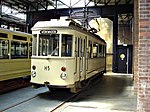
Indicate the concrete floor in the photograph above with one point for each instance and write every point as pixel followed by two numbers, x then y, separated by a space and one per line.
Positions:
pixel 112 93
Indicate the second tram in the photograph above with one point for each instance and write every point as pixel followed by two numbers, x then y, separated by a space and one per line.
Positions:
pixel 15 52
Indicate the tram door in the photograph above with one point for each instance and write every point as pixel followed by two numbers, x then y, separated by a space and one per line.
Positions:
pixel 81 58
pixel 124 59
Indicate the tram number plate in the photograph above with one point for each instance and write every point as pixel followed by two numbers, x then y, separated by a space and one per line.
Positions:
pixel 47 68
pixel 48 31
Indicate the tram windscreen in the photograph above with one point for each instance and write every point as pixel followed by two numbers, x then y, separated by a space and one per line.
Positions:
pixel 48 45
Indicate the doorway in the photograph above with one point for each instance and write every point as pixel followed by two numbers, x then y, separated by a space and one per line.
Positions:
pixel 124 59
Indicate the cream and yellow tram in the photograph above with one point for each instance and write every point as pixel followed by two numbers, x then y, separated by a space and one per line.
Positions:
pixel 64 54
pixel 15 53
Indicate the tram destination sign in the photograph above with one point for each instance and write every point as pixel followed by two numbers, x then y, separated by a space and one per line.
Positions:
pixel 48 31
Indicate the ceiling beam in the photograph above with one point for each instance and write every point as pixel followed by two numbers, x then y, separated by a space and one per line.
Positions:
pixel 107 2
pixel 28 4
pixel 128 1
pixel 103 11
pixel 117 2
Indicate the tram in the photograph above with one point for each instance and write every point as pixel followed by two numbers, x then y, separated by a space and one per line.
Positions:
pixel 65 54
pixel 15 53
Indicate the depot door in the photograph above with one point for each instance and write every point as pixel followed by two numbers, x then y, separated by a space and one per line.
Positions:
pixel 124 59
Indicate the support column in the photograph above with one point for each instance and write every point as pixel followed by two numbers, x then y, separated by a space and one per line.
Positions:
pixel 28 21
pixel 135 44
pixel 143 98
pixel 115 40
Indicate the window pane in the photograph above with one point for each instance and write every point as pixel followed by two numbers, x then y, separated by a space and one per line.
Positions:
pixel 4 49
pixel 66 45
pixel 100 51
pixel 19 49
pixel 49 45
pixel 30 50
pixel 95 50
pixel 90 49
pixel 34 45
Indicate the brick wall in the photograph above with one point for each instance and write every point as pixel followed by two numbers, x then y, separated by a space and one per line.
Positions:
pixel 143 98
pixel 135 44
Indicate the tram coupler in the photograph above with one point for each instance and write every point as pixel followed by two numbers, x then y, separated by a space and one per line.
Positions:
pixel 47 85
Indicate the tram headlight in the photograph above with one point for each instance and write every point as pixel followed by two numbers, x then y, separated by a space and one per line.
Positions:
pixel 33 74
pixel 63 76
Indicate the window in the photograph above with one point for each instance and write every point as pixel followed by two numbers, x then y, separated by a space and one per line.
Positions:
pixel 3 35
pixel 66 45
pixel 90 49
pixel 79 47
pixel 48 45
pixel 4 49
pixel 30 50
pixel 19 49
pixel 95 50
pixel 19 37
pixel 100 51
pixel 104 52
pixel 34 45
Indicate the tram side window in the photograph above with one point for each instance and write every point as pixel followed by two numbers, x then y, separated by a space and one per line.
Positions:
pixel 79 46
pixel 19 49
pixel 100 51
pixel 66 45
pixel 34 45
pixel 104 51
pixel 4 49
pixel 30 50
pixel 95 50
pixel 90 49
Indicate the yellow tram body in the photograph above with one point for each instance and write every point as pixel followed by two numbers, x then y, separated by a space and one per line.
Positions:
pixel 15 52
pixel 65 54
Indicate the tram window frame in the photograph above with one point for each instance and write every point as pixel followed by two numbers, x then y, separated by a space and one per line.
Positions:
pixel 104 51
pixel 95 50
pixel 17 37
pixel 79 45
pixel 50 43
pixel 34 45
pixel 90 49
pixel 101 50
pixel 4 50
pixel 66 45
pixel 3 35
pixel 30 50
pixel 19 49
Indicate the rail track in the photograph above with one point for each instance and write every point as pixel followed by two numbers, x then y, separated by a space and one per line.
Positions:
pixel 85 86
pixel 43 99
pixel 18 104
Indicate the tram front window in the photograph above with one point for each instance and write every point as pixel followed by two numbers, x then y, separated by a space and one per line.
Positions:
pixel 48 45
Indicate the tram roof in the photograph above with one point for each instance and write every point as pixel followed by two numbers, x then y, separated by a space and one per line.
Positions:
pixel 12 31
pixel 63 23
